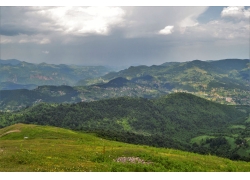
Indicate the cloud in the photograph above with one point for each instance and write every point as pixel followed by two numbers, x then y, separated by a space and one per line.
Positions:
pixel 219 30
pixel 23 38
pixel 45 52
pixel 44 41
pixel 20 20
pixel 145 21
pixel 120 35
pixel 235 28
pixel 187 22
pixel 79 21
pixel 87 21
pixel 238 12
pixel 167 30
pixel 83 20
pixel 32 39
pixel 190 20
pixel 5 40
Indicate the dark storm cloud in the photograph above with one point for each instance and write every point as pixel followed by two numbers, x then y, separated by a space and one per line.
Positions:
pixel 121 35
pixel 12 30
pixel 22 20
pixel 103 50
pixel 126 51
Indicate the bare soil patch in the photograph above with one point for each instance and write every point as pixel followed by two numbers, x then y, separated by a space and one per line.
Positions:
pixel 131 160
pixel 12 131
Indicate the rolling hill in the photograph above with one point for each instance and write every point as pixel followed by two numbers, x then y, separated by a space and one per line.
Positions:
pixel 172 121
pixel 34 148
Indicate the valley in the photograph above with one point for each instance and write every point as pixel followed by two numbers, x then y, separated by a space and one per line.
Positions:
pixel 145 88
pixel 194 106
pixel 223 81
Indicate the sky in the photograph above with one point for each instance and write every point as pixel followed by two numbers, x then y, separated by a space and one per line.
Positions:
pixel 123 35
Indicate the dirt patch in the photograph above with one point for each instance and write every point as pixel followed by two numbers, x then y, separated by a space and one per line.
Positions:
pixel 13 131
pixel 131 160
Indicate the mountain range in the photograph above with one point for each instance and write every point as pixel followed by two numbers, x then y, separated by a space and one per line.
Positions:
pixel 196 106
pixel 15 74
pixel 223 81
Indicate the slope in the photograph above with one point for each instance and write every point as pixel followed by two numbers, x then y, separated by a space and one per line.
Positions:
pixel 169 121
pixel 51 149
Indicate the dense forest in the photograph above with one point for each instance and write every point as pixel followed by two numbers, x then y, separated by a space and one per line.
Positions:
pixel 170 121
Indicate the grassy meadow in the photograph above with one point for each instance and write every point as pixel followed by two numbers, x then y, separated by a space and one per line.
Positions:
pixel 33 148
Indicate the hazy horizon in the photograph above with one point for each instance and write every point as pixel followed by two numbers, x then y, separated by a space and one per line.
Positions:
pixel 120 66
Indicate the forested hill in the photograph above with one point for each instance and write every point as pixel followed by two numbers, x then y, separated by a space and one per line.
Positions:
pixel 231 64
pixel 223 81
pixel 169 121
pixel 174 71
pixel 10 62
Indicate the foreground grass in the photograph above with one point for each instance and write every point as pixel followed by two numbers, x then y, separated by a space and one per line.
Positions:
pixel 49 149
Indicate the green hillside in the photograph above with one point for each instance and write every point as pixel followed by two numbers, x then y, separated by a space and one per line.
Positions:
pixel 170 121
pixel 26 148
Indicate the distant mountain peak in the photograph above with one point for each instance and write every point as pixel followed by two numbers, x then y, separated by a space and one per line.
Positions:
pixel 10 61
pixel 116 82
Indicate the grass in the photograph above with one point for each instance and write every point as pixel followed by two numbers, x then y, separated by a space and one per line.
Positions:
pixel 51 149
